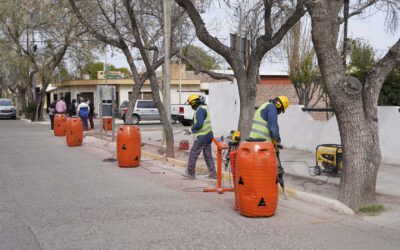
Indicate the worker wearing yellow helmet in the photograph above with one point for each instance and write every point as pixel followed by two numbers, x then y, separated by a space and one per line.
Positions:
pixel 203 137
pixel 265 121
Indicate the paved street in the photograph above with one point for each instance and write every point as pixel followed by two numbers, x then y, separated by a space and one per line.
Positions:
pixel 56 197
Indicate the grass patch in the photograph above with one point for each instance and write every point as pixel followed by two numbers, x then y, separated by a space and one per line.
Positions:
pixel 372 209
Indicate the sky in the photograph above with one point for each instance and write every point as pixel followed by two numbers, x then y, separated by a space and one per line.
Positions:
pixel 370 27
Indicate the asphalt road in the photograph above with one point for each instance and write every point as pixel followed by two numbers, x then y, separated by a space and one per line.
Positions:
pixel 55 197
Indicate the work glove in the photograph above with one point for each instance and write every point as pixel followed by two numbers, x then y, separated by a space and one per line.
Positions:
pixel 188 132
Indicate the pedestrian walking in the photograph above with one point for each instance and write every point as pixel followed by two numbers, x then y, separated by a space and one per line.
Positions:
pixel 52 113
pixel 203 137
pixel 72 108
pixel 83 112
pixel 91 114
pixel 61 107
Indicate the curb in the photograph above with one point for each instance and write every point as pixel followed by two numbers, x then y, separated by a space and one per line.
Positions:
pixel 318 200
pixel 41 122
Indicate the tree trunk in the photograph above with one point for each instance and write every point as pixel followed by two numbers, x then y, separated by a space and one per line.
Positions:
pixel 163 116
pixel 362 157
pixel 247 104
pixel 132 101
pixel 21 100
pixel 359 133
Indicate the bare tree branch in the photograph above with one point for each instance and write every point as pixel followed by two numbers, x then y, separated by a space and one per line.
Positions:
pixel 360 9
pixel 212 74
pixel 203 34
pixel 383 68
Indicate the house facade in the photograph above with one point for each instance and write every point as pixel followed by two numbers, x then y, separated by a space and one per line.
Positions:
pixel 181 87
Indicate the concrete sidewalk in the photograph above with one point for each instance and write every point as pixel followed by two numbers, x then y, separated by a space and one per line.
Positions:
pixel 295 162
pixel 301 163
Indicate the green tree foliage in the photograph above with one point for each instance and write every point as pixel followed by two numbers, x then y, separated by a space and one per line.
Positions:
pixel 304 76
pixel 362 60
pixel 92 67
pixel 200 58
pixel 390 92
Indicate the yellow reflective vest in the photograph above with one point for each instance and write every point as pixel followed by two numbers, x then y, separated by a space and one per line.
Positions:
pixel 206 128
pixel 259 129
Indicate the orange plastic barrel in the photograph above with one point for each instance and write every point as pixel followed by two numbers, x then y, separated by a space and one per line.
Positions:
pixel 59 124
pixel 107 124
pixel 128 146
pixel 256 169
pixel 74 132
pixel 232 156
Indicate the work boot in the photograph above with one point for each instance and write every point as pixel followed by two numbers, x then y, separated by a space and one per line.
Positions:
pixel 212 175
pixel 188 175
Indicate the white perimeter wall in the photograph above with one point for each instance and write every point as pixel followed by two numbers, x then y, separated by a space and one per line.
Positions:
pixel 299 131
pixel 224 106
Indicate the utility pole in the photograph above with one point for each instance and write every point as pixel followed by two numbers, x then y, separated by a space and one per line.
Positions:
pixel 167 68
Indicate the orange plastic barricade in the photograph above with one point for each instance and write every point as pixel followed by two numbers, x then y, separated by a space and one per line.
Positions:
pixel 219 188
pixel 107 124
pixel 59 124
pixel 232 156
pixel 128 146
pixel 256 169
pixel 74 132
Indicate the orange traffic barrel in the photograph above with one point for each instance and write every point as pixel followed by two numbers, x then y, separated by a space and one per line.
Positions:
pixel 59 124
pixel 128 146
pixel 256 169
pixel 74 131
pixel 107 124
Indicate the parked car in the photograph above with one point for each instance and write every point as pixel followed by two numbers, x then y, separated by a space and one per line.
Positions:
pixel 7 109
pixel 182 113
pixel 145 110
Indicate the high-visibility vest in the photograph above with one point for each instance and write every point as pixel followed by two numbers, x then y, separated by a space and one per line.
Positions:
pixel 206 128
pixel 259 129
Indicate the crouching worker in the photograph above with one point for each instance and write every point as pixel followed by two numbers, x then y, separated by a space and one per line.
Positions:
pixel 203 137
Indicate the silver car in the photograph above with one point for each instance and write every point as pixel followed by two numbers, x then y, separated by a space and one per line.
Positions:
pixel 145 110
pixel 7 109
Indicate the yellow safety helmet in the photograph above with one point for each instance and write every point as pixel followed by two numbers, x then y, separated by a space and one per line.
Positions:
pixel 192 98
pixel 283 103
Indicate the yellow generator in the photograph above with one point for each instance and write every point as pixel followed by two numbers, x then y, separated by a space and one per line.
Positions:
pixel 328 159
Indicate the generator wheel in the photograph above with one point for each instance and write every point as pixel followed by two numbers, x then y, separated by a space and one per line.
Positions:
pixel 317 170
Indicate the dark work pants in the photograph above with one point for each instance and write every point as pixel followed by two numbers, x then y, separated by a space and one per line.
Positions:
pixel 52 121
pixel 195 151
pixel 91 121
pixel 84 122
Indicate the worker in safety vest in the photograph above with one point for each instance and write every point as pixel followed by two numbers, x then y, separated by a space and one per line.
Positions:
pixel 203 137
pixel 265 121
pixel 265 126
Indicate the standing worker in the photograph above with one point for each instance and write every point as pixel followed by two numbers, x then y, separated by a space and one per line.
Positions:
pixel 83 112
pixel 61 107
pixel 72 108
pixel 203 137
pixel 265 121
pixel 52 113
pixel 265 126
pixel 91 114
